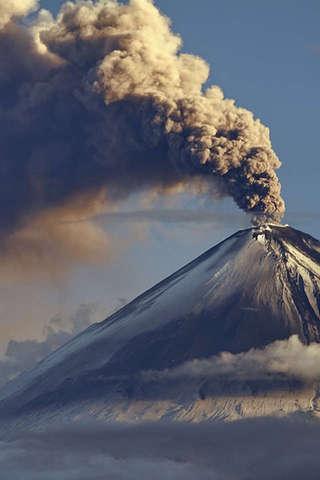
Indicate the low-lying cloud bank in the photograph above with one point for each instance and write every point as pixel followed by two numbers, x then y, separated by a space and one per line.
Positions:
pixel 246 450
pixel 288 357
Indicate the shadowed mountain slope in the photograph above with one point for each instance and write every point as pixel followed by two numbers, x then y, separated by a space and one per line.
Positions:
pixel 259 285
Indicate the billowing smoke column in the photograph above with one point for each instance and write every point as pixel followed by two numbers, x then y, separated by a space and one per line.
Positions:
pixel 100 103
pixel 14 8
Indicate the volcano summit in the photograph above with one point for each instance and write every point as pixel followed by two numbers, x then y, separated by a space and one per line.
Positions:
pixel 259 286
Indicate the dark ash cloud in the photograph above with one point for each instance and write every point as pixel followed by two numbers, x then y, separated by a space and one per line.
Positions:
pixel 99 103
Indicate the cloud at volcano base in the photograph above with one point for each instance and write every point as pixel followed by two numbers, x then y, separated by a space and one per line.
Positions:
pixel 290 358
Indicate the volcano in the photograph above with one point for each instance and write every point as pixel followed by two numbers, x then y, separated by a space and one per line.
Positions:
pixel 260 285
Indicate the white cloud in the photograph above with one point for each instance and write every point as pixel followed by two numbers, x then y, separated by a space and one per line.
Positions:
pixel 288 357
pixel 13 8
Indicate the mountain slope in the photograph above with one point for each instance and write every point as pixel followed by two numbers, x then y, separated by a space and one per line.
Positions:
pixel 259 285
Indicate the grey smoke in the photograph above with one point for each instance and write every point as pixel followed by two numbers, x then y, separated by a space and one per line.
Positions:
pixel 100 103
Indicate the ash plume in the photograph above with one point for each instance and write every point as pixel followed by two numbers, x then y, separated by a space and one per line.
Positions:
pixel 100 103
pixel 15 8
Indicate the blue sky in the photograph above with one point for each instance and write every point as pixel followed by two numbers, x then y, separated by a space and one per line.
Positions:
pixel 266 55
